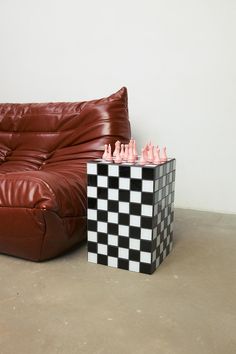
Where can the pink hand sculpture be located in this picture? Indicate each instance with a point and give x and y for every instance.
(126, 152)
(146, 148)
(150, 154)
(157, 159)
(118, 158)
(142, 160)
(131, 157)
(109, 156)
(164, 155)
(117, 147)
(122, 151)
(135, 149)
(104, 156)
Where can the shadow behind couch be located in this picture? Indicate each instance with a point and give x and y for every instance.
(43, 153)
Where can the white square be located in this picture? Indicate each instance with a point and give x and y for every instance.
(92, 236)
(92, 257)
(147, 186)
(124, 207)
(134, 266)
(161, 247)
(162, 225)
(168, 168)
(92, 192)
(161, 171)
(135, 220)
(112, 262)
(112, 240)
(102, 204)
(155, 209)
(136, 172)
(146, 210)
(155, 233)
(102, 227)
(102, 249)
(113, 170)
(123, 253)
(158, 218)
(157, 183)
(112, 217)
(146, 234)
(123, 230)
(145, 257)
(102, 181)
(135, 197)
(164, 180)
(165, 234)
(154, 255)
(92, 214)
(91, 169)
(113, 194)
(163, 204)
(124, 183)
(134, 244)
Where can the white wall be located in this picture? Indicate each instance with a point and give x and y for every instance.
(177, 59)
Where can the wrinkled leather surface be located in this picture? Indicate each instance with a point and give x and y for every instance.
(43, 153)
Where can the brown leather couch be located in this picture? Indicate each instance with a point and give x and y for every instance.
(43, 153)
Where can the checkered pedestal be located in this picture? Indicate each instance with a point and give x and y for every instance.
(130, 214)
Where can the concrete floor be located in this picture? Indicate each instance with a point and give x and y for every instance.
(70, 306)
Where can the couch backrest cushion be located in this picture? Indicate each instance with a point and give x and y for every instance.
(61, 133)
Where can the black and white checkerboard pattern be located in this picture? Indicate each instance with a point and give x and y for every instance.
(130, 214)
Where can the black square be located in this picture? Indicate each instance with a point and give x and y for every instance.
(146, 222)
(102, 259)
(146, 246)
(102, 193)
(92, 225)
(92, 203)
(113, 182)
(146, 268)
(123, 219)
(102, 238)
(135, 208)
(134, 255)
(112, 229)
(102, 169)
(92, 180)
(113, 251)
(123, 263)
(124, 171)
(123, 242)
(92, 247)
(148, 173)
(147, 198)
(113, 206)
(136, 184)
(124, 196)
(102, 215)
(134, 232)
